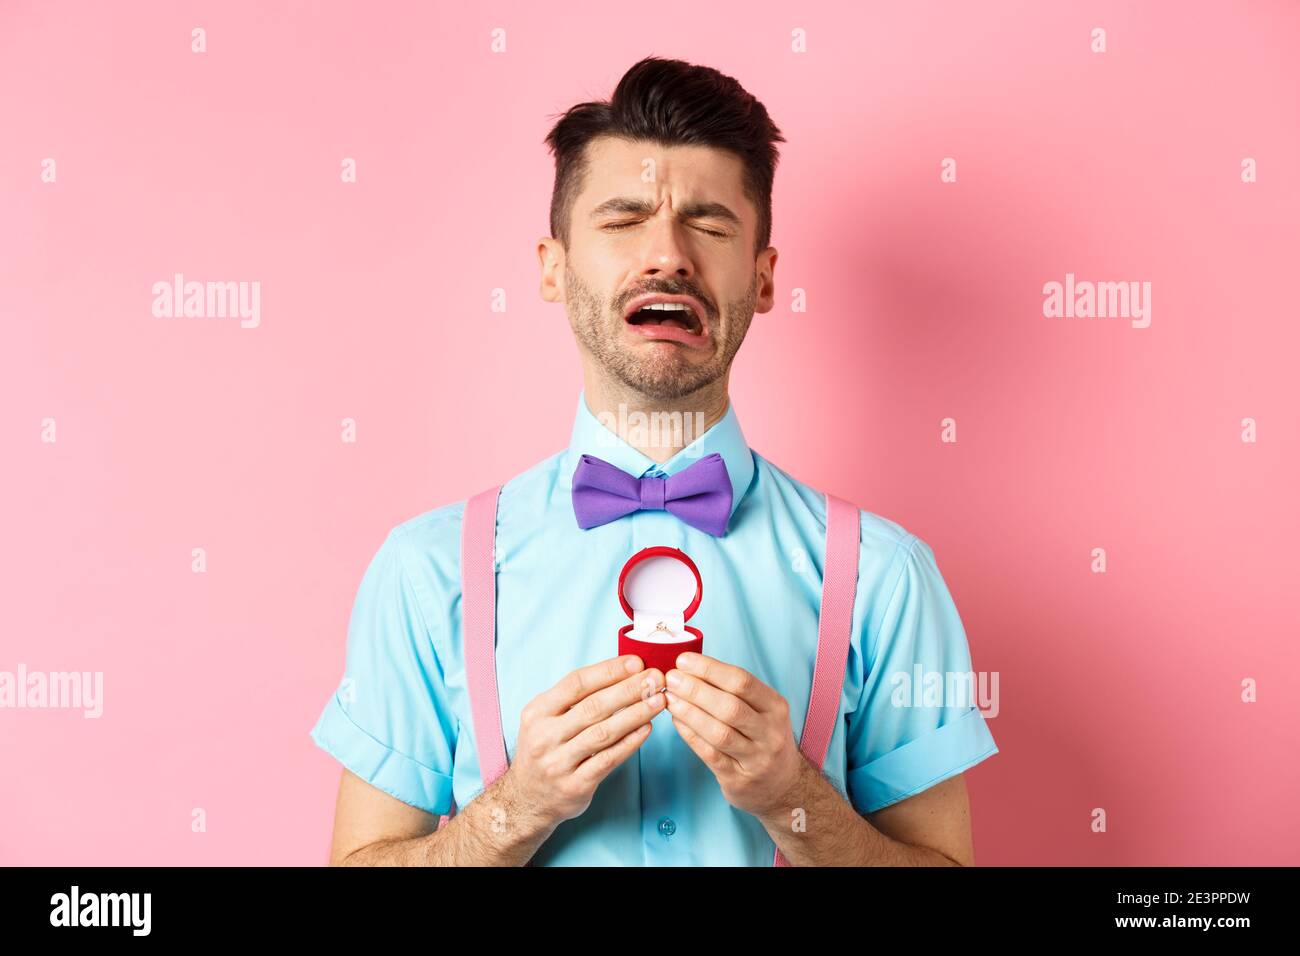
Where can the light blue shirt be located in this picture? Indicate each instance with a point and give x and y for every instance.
(401, 716)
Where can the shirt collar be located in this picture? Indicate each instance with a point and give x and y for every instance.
(591, 436)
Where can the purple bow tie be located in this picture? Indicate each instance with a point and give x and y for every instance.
(700, 495)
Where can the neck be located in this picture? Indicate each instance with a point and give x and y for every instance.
(657, 436)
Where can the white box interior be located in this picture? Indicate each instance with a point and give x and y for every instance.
(660, 588)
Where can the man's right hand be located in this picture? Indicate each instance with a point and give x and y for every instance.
(570, 739)
(572, 736)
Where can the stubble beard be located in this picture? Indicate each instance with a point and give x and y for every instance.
(665, 375)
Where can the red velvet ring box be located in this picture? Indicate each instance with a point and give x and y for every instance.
(660, 588)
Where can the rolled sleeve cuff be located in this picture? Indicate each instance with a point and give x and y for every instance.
(921, 763)
(379, 765)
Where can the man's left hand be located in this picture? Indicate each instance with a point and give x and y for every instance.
(740, 728)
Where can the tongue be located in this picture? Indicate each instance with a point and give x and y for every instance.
(660, 317)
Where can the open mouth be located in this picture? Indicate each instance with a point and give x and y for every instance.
(670, 315)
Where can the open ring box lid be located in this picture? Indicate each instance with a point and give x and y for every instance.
(660, 584)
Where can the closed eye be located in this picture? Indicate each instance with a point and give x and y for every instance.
(618, 226)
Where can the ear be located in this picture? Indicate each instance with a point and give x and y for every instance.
(765, 269)
(550, 255)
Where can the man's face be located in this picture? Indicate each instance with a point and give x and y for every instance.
(665, 222)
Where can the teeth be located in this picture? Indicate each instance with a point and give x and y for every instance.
(668, 307)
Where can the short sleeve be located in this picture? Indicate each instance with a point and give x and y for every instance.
(918, 721)
(389, 721)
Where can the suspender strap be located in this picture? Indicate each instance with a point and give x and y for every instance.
(839, 586)
(478, 614)
(478, 610)
(478, 582)
(478, 586)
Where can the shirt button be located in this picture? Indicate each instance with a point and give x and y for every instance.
(667, 827)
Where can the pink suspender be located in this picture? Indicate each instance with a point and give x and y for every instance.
(478, 609)
(839, 585)
(478, 612)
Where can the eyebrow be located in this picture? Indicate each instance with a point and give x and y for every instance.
(644, 207)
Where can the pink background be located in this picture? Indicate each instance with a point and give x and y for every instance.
(1118, 690)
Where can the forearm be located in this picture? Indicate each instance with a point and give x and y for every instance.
(495, 829)
(830, 832)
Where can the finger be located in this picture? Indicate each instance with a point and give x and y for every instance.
(713, 759)
(605, 733)
(728, 677)
(726, 707)
(578, 684)
(720, 736)
(596, 707)
(599, 765)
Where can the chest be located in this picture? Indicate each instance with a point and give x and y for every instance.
(557, 607)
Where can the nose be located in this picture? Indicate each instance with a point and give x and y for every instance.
(665, 255)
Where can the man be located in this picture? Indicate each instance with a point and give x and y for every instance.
(662, 199)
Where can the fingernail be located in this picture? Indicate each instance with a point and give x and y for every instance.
(674, 679)
(632, 665)
(671, 698)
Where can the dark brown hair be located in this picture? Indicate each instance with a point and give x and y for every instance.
(669, 102)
